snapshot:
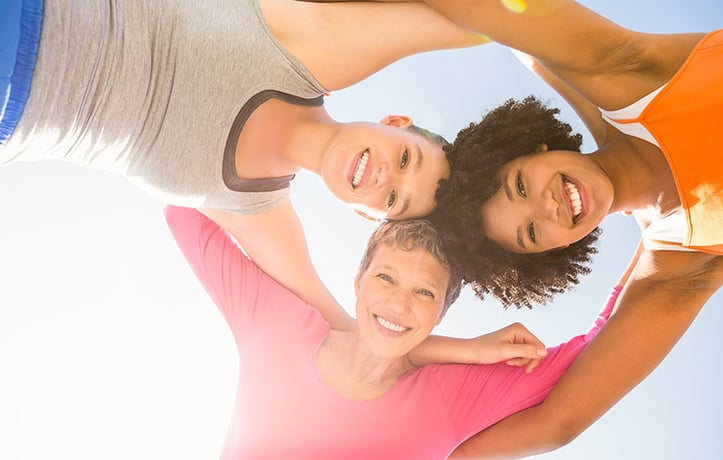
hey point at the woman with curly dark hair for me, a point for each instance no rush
(522, 206)
(480, 151)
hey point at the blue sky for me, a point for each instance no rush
(110, 349)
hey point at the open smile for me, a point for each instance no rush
(575, 199)
(359, 169)
(390, 326)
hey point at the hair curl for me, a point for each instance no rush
(514, 129)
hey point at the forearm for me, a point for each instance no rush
(588, 112)
(538, 27)
(651, 315)
(513, 344)
(439, 349)
(611, 66)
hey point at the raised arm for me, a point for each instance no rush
(275, 242)
(610, 65)
(364, 36)
(654, 310)
(586, 110)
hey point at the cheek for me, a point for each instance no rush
(335, 185)
(498, 223)
(431, 316)
(555, 236)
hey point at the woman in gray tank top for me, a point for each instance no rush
(217, 105)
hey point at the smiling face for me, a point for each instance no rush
(547, 201)
(400, 298)
(384, 169)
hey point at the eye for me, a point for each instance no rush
(385, 277)
(427, 293)
(531, 232)
(405, 159)
(392, 199)
(520, 186)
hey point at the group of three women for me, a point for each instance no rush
(217, 106)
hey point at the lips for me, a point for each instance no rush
(360, 169)
(390, 326)
(575, 201)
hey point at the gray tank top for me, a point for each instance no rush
(159, 91)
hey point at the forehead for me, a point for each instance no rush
(545, 157)
(415, 263)
(499, 221)
(422, 183)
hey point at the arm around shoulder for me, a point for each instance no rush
(275, 242)
(665, 292)
(365, 36)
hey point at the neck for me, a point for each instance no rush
(306, 132)
(353, 370)
(639, 173)
(289, 136)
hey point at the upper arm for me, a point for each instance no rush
(275, 242)
(364, 36)
(228, 276)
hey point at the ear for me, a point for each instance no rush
(398, 121)
(366, 216)
(541, 148)
(356, 284)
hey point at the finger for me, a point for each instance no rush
(518, 362)
(528, 351)
(523, 335)
(529, 364)
(532, 365)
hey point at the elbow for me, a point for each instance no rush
(566, 436)
(555, 438)
(563, 432)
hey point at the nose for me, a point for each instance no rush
(384, 175)
(381, 175)
(399, 302)
(549, 206)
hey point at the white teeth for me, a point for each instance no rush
(574, 196)
(361, 166)
(389, 325)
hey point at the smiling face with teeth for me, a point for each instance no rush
(384, 169)
(400, 298)
(546, 201)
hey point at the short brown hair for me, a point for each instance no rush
(409, 235)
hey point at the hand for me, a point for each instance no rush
(514, 344)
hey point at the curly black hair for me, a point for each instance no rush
(514, 129)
